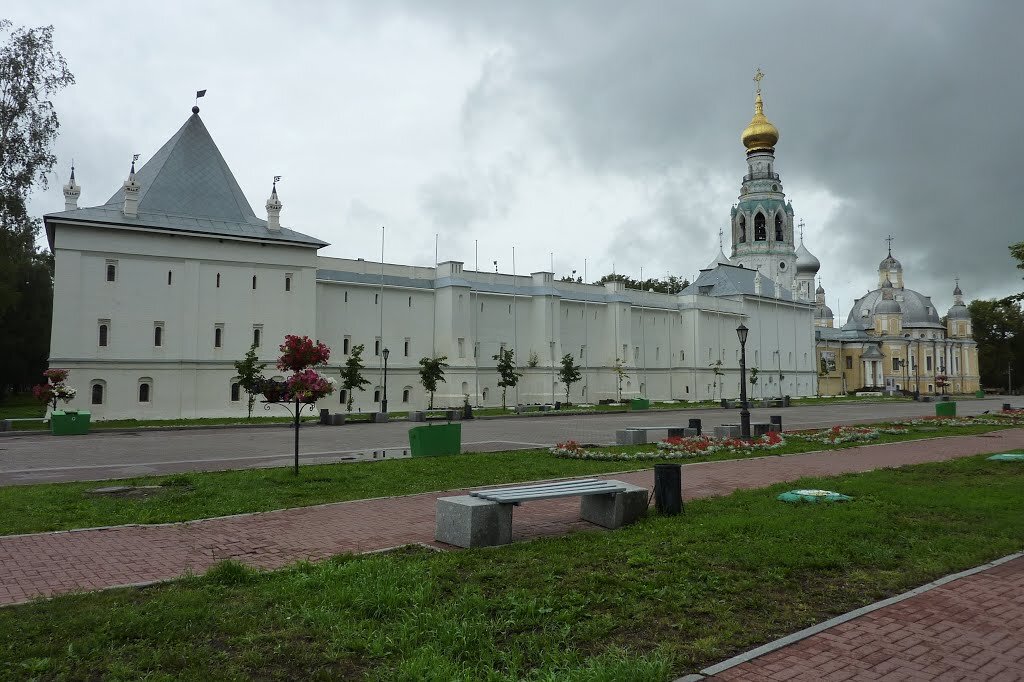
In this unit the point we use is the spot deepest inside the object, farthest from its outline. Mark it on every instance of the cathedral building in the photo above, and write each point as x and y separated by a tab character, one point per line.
162	287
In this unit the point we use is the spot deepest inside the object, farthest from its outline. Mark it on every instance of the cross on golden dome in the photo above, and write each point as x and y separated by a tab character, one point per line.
760	134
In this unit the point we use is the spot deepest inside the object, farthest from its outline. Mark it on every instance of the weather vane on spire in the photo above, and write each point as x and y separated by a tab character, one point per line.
758	75
801	226
889	239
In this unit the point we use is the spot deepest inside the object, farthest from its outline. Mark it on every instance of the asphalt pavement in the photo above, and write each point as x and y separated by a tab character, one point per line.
33	457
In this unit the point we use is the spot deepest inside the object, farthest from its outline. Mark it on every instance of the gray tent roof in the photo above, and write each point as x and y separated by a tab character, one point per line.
188	186
732	280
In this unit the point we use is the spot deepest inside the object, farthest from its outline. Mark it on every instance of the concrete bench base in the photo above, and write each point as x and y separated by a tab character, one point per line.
727	431
380	417
467	521
615	511
630	437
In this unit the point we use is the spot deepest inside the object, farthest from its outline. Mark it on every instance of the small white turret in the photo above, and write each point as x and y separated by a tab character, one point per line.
71	192
131	192
274	207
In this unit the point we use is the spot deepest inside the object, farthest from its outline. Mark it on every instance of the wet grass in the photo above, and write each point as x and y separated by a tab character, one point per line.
184	497
662	598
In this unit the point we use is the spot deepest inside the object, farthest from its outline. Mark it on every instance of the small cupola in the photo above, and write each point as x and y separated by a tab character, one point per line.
71	192
131	192
274	207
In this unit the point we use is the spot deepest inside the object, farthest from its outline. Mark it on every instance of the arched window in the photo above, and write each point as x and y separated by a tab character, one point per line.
343	395
103	335
218	337
760	233
218	280
376	395
97	393
144	392
254	282
158	335
779	237
236	391
169	278
256	337
743	229
405	394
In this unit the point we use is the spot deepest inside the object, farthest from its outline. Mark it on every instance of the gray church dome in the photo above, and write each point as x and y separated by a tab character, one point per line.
890	263
918	310
887	306
823	313
959	312
806	263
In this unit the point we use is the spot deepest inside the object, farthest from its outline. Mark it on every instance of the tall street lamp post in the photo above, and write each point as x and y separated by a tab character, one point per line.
741	332
384	399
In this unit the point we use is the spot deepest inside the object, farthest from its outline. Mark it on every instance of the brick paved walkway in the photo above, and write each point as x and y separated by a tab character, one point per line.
968	629
53	563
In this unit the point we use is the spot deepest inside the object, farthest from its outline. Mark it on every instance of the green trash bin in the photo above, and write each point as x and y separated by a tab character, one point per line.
639	404
979	394
945	409
434	440
69	423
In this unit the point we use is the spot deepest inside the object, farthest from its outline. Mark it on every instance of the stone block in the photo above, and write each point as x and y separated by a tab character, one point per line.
380	417
453	415
467	521
417	416
337	419
758	429
727	431
615	511
630	437
677	432
6	425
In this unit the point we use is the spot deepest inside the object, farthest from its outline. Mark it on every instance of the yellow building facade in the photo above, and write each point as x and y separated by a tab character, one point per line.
894	340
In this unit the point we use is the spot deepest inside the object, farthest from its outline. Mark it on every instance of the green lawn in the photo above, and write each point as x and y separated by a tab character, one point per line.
183	497
665	597
21	406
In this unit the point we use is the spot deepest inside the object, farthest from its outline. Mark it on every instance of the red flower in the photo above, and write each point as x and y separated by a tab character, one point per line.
300	352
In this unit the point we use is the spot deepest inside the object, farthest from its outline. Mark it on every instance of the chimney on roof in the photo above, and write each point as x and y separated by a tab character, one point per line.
274	207
71	192
131	192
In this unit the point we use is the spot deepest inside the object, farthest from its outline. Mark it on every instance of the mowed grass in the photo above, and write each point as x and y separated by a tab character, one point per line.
185	497
667	596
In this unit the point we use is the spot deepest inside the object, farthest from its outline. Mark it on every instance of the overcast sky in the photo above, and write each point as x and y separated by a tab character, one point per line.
606	131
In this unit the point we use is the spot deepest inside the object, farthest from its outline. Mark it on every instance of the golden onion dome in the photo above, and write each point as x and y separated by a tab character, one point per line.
760	134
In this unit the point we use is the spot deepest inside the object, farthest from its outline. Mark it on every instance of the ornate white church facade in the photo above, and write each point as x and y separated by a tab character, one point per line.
159	290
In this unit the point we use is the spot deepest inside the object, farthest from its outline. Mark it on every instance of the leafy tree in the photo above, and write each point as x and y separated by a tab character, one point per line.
716	367
431	372
669	285
620	373
352	378
569	373
31	72
1017	251
250	375
998	329
507	371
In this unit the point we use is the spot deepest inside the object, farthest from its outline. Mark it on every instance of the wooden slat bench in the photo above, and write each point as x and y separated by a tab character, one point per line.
484	517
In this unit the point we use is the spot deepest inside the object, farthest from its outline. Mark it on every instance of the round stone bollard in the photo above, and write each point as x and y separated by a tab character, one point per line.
668	489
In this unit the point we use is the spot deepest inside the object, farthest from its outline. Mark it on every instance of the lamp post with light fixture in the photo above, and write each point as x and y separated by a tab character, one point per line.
741	332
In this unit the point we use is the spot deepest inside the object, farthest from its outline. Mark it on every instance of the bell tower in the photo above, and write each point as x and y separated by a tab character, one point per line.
762	219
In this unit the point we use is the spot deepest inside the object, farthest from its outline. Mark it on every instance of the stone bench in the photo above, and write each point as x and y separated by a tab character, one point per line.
434	415
757	429
483	518
637	435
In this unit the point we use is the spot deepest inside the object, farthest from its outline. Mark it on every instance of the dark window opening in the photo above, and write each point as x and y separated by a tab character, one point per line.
218	335
143	393
760	233
236	392
254	282
256	337
405	395
778	228
849	362
406	348
97	394
344	347
743	229
376	396
169	275
111	272
287	283
158	336
218	280
343	395
103	335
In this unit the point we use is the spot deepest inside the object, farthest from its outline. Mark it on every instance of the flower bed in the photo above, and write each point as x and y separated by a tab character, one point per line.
848	434
674	448
999	419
